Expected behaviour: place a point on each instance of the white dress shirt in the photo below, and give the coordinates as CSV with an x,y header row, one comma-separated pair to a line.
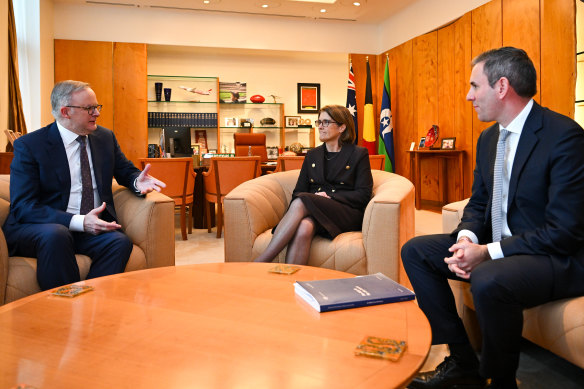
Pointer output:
x,y
72,148
515,128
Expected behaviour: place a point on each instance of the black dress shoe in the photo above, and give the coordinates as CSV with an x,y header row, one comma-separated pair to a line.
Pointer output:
x,y
448,375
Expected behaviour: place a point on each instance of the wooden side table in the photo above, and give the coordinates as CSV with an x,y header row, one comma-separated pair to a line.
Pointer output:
x,y
416,157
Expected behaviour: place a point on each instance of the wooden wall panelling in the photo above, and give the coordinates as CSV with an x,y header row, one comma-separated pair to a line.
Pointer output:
x,y
558,47
521,29
402,102
130,99
463,111
425,58
446,101
487,34
89,62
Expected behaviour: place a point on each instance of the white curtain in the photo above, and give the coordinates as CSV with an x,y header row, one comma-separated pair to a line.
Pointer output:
x,y
24,47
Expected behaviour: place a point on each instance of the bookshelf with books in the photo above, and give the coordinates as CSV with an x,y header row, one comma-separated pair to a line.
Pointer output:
x,y
267,118
183,106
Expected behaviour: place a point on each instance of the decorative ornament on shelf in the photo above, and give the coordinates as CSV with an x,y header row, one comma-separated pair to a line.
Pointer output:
x,y
196,90
296,147
267,122
257,99
431,136
275,97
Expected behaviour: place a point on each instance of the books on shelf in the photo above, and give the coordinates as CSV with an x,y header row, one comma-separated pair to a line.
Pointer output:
x,y
344,293
182,119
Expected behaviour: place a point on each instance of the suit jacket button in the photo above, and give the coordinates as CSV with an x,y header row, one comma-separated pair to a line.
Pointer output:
x,y
333,190
342,183
347,167
313,165
319,189
311,180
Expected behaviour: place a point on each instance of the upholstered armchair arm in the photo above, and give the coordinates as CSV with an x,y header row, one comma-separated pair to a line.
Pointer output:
x,y
252,208
388,224
149,222
452,214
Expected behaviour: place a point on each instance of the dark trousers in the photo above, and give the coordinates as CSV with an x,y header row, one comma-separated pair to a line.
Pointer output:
x,y
55,247
501,289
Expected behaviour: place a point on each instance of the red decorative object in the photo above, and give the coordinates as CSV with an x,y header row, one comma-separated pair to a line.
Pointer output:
x,y
431,136
257,99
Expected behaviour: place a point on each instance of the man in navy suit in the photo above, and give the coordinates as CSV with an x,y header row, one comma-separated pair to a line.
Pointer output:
x,y
46,191
539,256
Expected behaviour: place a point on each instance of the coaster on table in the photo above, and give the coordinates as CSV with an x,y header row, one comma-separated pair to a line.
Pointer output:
x,y
372,346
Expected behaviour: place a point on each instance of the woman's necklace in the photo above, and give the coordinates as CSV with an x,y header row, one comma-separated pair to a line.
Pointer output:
x,y
335,154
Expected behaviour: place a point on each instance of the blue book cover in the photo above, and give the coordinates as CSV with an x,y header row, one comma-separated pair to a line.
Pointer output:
x,y
344,293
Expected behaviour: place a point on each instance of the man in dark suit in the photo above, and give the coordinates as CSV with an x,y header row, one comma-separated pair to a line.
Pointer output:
x,y
61,200
521,239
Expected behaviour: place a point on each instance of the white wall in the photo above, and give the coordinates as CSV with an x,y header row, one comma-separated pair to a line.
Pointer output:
x,y
205,29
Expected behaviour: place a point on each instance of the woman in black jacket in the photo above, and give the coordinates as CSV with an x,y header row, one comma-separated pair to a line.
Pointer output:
x,y
333,189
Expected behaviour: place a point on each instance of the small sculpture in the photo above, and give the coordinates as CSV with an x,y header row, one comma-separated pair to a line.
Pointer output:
x,y
196,90
431,136
275,97
296,147
267,121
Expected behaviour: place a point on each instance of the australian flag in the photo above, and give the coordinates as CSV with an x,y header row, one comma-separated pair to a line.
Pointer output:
x,y
352,101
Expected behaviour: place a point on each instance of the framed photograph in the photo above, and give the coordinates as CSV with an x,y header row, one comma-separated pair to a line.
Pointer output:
x,y
308,98
231,122
196,148
232,92
292,121
448,143
422,142
272,152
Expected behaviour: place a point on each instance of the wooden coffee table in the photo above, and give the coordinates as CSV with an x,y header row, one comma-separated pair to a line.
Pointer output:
x,y
218,325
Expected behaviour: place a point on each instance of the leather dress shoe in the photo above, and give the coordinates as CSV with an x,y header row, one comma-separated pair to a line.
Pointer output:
x,y
448,375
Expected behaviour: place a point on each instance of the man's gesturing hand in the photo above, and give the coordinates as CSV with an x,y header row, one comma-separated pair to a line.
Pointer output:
x,y
94,225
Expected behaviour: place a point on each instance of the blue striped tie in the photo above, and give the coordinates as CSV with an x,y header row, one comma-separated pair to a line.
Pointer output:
x,y
496,204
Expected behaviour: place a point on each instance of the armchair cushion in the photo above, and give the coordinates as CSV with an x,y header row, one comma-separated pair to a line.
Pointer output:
x,y
255,207
148,222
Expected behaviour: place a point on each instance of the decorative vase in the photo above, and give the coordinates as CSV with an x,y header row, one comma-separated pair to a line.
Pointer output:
x,y
158,90
167,92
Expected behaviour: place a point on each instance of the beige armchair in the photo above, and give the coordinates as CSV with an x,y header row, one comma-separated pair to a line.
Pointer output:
x,y
557,326
149,222
255,207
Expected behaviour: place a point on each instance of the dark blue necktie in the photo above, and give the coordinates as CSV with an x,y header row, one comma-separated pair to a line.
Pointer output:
x,y
86,184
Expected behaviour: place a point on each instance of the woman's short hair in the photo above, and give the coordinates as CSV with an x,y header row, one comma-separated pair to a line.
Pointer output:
x,y
62,92
513,64
341,115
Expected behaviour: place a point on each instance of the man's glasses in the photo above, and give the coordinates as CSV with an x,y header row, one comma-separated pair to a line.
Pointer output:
x,y
90,110
325,123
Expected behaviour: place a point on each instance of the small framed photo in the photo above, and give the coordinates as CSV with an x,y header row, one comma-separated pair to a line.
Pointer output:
x,y
448,143
196,148
292,121
231,122
212,151
272,152
308,98
422,142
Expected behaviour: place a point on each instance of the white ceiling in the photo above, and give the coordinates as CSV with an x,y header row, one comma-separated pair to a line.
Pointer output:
x,y
369,12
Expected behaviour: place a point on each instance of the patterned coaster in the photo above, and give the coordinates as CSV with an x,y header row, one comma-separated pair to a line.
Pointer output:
x,y
372,346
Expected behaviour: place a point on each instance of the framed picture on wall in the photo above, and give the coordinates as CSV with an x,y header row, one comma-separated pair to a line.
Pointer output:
x,y
308,98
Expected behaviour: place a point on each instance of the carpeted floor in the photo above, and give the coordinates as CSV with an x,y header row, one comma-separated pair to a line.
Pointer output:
x,y
538,368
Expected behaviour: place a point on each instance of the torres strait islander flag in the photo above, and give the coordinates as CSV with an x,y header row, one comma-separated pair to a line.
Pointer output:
x,y
368,119
386,124
352,101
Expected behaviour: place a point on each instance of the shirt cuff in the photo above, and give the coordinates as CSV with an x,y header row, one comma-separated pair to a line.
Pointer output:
x,y
468,234
77,223
495,250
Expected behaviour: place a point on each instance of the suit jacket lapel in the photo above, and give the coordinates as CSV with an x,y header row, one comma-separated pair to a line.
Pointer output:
x,y
337,166
57,151
527,142
319,161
